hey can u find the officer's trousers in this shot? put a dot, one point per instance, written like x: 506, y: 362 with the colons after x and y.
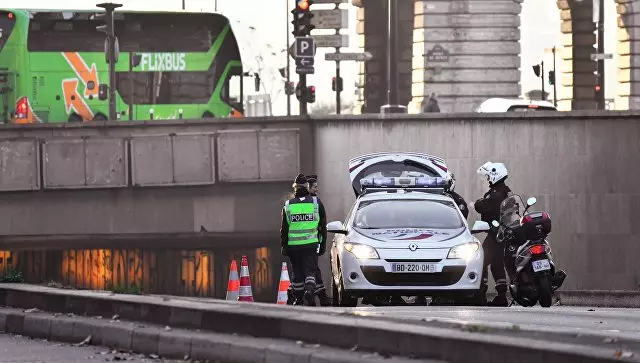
x: 304, y: 263
x: 494, y: 256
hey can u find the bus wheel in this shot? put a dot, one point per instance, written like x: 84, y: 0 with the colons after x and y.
x: 100, y: 117
x: 75, y: 118
x: 207, y: 115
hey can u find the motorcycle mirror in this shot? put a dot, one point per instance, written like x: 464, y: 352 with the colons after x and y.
x: 531, y: 201
x: 495, y: 223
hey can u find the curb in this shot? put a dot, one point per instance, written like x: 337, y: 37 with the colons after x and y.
x: 176, y: 343
x: 599, y: 298
x: 307, y: 324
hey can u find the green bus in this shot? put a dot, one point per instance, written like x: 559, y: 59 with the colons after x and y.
x: 171, y: 65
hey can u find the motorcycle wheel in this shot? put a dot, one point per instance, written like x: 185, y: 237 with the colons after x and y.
x: 545, y: 292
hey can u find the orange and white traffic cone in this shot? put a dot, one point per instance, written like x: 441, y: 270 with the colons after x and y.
x: 284, y: 285
x: 234, y: 283
x: 245, y: 281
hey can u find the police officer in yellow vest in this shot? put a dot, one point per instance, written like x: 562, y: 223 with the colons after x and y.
x: 303, y: 235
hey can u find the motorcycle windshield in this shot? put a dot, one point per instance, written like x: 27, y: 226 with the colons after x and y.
x: 510, y: 213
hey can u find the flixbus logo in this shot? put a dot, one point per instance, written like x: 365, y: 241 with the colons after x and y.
x: 156, y: 62
x: 89, y: 77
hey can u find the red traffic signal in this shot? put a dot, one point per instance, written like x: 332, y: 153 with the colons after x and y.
x: 598, y: 88
x: 303, y: 4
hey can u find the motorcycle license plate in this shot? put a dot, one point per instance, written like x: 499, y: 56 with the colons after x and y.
x: 422, y: 268
x: 541, y: 265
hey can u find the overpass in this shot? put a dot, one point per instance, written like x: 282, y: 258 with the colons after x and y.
x: 164, y: 206
x: 479, y: 45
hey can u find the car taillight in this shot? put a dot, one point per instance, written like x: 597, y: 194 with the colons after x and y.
x: 22, y: 108
x: 537, y: 249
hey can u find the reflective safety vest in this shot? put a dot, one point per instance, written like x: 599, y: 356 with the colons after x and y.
x: 303, y: 218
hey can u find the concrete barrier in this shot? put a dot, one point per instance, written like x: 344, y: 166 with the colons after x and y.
x: 173, y: 343
x: 345, y: 331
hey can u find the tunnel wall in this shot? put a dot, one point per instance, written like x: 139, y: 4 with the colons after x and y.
x: 582, y: 168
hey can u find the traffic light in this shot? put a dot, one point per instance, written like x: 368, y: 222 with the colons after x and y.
x: 536, y: 70
x: 302, y: 18
x: 310, y: 95
x: 336, y: 84
x: 289, y: 88
x: 552, y: 78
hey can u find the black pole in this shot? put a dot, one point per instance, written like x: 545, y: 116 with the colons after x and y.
x: 543, y: 96
x: 600, y: 80
x: 555, y: 78
x: 183, y: 4
x: 338, y: 84
x: 288, y: 59
x: 303, y: 90
x: 392, y: 105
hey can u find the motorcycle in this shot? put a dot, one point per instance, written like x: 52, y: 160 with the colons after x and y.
x: 533, y: 276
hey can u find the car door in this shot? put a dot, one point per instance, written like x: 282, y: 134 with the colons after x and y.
x: 395, y: 164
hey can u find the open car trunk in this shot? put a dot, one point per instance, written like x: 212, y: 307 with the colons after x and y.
x: 395, y: 164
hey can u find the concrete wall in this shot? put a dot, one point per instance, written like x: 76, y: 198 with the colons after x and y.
x: 582, y: 169
x: 172, y: 177
x: 482, y: 40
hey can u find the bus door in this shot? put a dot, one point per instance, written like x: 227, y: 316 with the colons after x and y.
x: 6, y: 94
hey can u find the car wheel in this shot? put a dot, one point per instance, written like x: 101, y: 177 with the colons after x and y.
x: 344, y: 299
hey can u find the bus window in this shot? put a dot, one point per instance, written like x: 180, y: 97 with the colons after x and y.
x: 7, y: 22
x: 51, y: 32
x: 166, y: 88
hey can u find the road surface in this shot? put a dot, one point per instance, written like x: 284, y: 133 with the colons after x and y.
x: 17, y: 349
x: 606, y: 322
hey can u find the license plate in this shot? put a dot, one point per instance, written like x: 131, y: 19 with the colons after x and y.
x: 423, y: 268
x: 541, y: 265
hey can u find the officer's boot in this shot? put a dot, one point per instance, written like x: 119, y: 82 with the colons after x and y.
x: 291, y: 297
x: 309, y: 297
x: 324, y: 298
x: 501, y: 299
x: 299, y: 298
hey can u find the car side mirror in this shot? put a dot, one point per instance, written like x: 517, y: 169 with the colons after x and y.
x: 103, y: 92
x: 336, y: 227
x: 495, y: 223
x: 531, y: 201
x: 479, y: 227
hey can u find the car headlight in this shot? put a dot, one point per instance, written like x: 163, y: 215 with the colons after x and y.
x: 465, y: 251
x: 362, y: 252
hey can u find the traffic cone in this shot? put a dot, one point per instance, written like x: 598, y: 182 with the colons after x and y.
x: 234, y: 283
x: 245, y: 281
x: 284, y: 285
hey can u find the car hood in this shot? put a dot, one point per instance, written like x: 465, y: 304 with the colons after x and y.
x: 418, y: 235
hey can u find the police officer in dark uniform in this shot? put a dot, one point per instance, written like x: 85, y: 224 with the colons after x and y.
x: 303, y: 233
x: 321, y: 290
x: 460, y: 202
x: 489, y: 208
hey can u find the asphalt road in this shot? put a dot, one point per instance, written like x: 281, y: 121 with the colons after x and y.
x: 605, y: 322
x: 17, y: 349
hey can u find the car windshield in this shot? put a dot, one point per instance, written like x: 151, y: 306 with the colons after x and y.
x: 384, y: 214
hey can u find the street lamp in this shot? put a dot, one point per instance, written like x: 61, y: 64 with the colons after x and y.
x: 598, y: 18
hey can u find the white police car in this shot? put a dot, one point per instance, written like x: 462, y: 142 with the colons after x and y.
x: 403, y: 235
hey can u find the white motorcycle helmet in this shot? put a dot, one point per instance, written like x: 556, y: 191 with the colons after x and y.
x: 493, y: 171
